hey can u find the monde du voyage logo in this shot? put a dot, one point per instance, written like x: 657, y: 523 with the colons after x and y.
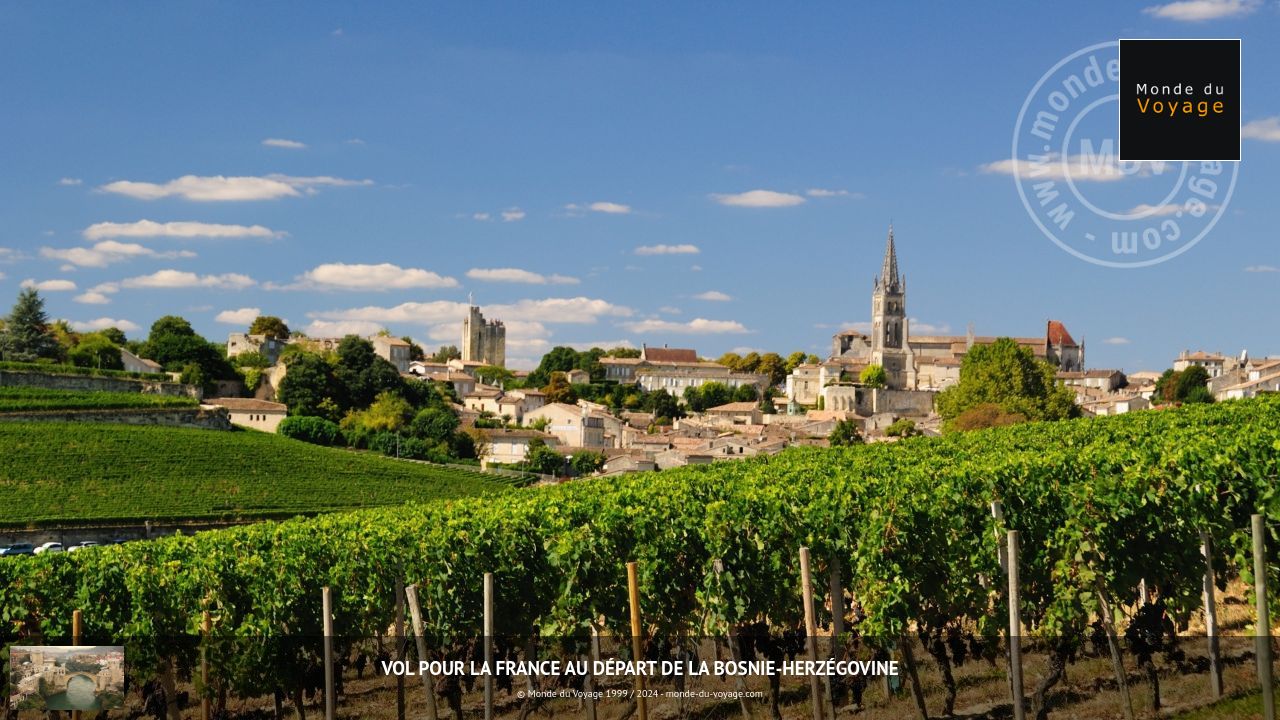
x: 1143, y: 182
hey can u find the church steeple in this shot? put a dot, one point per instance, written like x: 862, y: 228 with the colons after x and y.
x: 889, y: 278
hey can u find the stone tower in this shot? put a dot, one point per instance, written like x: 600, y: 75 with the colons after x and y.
x: 889, y: 347
x: 483, y: 340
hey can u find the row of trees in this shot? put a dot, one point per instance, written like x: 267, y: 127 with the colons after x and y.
x: 770, y: 363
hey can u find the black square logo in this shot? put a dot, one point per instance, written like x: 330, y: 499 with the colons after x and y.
x: 1179, y: 100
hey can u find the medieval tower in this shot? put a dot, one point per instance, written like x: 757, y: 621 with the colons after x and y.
x: 889, y: 348
x: 483, y: 340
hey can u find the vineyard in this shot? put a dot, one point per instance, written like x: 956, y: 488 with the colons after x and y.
x: 67, y: 474
x: 76, y: 370
x: 26, y: 399
x: 1102, y: 506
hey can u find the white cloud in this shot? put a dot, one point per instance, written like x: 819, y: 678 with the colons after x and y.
x: 825, y: 193
x: 92, y: 297
x: 667, y: 250
x: 758, y: 199
x: 49, y: 285
x: 107, y: 252
x: 512, y: 214
x: 70, y: 181
x: 602, y: 344
x: 575, y: 310
x: 915, y: 326
x: 2, y: 276
x: 9, y: 255
x: 384, y: 276
x: 481, y: 216
x: 283, y: 143
x: 697, y: 326
x: 516, y: 275
x: 611, y: 208
x: 243, y: 316
x: 1116, y: 341
x: 1197, y: 10
x: 180, y: 279
x: 1080, y: 168
x: 341, y: 328
x: 713, y: 296
x: 103, y: 323
x: 354, y: 141
x: 668, y: 309
x: 1267, y: 129
x: 1262, y: 269
x: 150, y: 228
x: 219, y: 188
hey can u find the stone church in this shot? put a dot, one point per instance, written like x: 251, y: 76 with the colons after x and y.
x: 913, y: 362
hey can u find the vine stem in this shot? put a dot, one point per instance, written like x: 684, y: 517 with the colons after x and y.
x: 1114, y: 644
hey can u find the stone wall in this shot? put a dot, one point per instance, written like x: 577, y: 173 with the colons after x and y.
x: 105, y: 532
x: 902, y: 402
x: 204, y: 417
x: 89, y: 383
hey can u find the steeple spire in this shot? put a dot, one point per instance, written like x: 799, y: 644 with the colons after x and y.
x: 889, y: 278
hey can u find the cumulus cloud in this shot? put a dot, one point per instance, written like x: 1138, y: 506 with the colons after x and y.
x: 49, y: 285
x: 1116, y: 341
x: 1103, y: 167
x: 1198, y: 10
x: 9, y: 255
x: 516, y: 275
x: 243, y: 316
x: 697, y: 326
x: 105, y: 253
x: 356, y: 276
x: 713, y: 296
x: 575, y: 310
x: 70, y: 181
x: 92, y: 297
x: 610, y: 208
x: 1266, y: 129
x: 1262, y: 269
x: 219, y: 188
x: 341, y: 328
x: 667, y: 250
x: 179, y: 279
x: 758, y: 199
x: 283, y: 143
x: 481, y: 216
x: 150, y: 228
x: 103, y: 323
x: 670, y: 310
x: 602, y: 344
x: 512, y: 214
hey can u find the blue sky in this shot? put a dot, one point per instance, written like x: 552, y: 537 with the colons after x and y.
x: 587, y: 172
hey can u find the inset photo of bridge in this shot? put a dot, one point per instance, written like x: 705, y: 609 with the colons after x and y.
x: 89, y: 678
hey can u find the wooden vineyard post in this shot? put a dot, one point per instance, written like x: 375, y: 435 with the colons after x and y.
x: 1015, y: 627
x: 488, y: 646
x: 400, y: 648
x: 637, y: 641
x: 591, y: 677
x: 909, y: 659
x: 1211, y: 616
x: 428, y: 680
x: 1264, y: 619
x: 836, y: 595
x: 330, y: 700
x: 811, y: 632
x: 1114, y: 644
x: 739, y: 683
x: 206, y: 629
x: 77, y: 636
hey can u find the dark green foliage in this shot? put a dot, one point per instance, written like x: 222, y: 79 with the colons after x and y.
x: 27, y: 336
x: 20, y: 399
x: 1010, y: 377
x: 314, y: 430
x: 845, y: 433
x: 709, y: 395
x: 95, y: 350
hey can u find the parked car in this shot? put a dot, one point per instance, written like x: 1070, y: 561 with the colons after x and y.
x: 82, y: 545
x: 18, y: 549
x: 49, y: 547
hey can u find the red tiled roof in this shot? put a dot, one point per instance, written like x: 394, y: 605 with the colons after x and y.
x: 1058, y: 334
x: 669, y: 354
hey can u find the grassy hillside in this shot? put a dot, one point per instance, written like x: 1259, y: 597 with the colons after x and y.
x: 63, y: 473
x: 23, y: 399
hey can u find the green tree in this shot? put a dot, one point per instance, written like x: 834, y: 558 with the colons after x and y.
x: 434, y: 423
x: 364, y: 374
x: 663, y: 405
x: 542, y: 459
x: 745, y: 393
x: 1192, y: 386
x: 96, y: 351
x: 586, y: 462
x: 311, y: 388
x: 873, y: 376
x: 269, y: 325
x: 27, y: 335
x: 388, y: 413
x: 795, y: 360
x: 558, y: 359
x: 1010, y: 377
x: 558, y: 390
x: 902, y: 427
x: 709, y: 395
x: 416, y: 353
x: 493, y: 375
x: 774, y: 366
x: 115, y: 335
x: 175, y: 345
x: 445, y: 354
x: 845, y: 433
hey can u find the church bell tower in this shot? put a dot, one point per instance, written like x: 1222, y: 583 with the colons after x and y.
x: 889, y: 348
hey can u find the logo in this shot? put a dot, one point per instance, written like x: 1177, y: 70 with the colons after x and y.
x: 1067, y: 168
